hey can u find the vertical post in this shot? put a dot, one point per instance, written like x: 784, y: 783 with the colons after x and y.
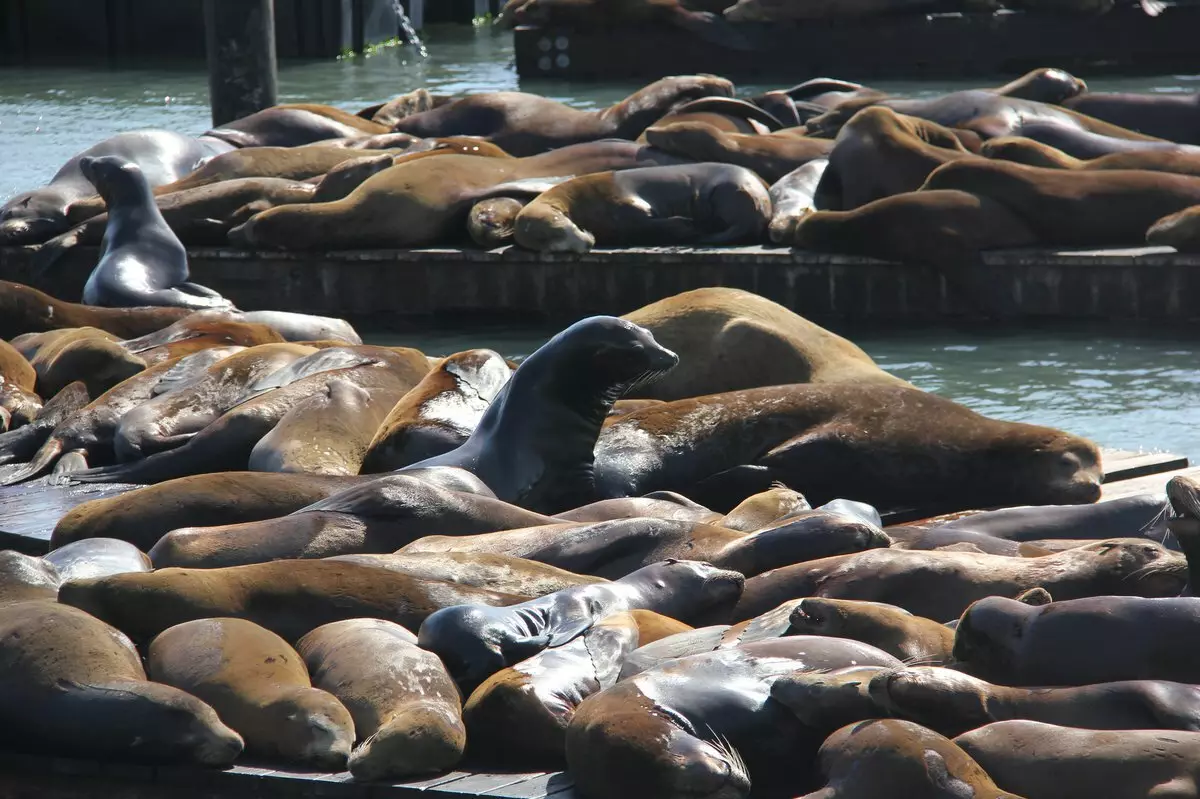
x: 242, y: 75
x: 416, y: 14
x: 482, y: 7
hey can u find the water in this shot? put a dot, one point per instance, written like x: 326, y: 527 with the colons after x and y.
x: 1122, y: 392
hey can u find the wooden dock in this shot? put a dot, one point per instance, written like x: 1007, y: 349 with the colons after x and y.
x: 393, y: 289
x: 914, y: 46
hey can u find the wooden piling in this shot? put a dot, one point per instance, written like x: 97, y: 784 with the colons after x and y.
x: 242, y: 72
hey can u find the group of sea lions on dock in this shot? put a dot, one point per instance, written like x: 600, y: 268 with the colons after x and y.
x: 825, y: 165
x: 653, y: 553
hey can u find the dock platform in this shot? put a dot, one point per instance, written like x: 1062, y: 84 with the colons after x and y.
x: 392, y: 289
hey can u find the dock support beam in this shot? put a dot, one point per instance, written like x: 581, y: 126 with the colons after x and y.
x: 416, y: 13
x: 242, y: 74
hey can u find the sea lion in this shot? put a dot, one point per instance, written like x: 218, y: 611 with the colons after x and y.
x: 527, y: 124
x: 540, y: 694
x: 915, y: 536
x: 887, y: 627
x: 24, y: 309
x: 1126, y: 517
x: 705, y: 725
x: 614, y: 548
x: 890, y: 757
x: 831, y: 439
x: 1174, y: 117
x: 505, y: 574
x: 14, y: 369
x: 1044, y: 85
x: 75, y: 687
x: 655, y: 626
x: 348, y: 176
x: 24, y: 578
x: 657, y: 505
x: 294, y: 124
x: 767, y: 508
x: 1061, y: 643
x: 793, y: 197
x: 96, y: 557
x: 1180, y: 230
x: 490, y: 222
x: 95, y: 361
x: 953, y: 703
x: 770, y: 156
x: 375, y: 516
x: 726, y: 114
x: 142, y: 262
x: 830, y: 700
x: 430, y: 197
x: 1031, y: 757
x: 200, y: 335
x: 475, y: 641
x: 540, y: 456
x: 162, y: 156
x: 729, y: 339
x: 680, y: 204
x: 879, y: 153
x: 325, y: 433
x: 403, y: 105
x: 407, y: 711
x: 290, y: 598
x: 286, y: 326
x: 440, y: 412
x: 259, y: 687
x: 950, y: 581
x: 24, y: 442
x: 1033, y: 153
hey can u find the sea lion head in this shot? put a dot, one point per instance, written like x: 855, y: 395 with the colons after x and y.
x: 1137, y: 567
x: 491, y: 221
x: 474, y: 642
x: 929, y: 694
x: 989, y: 633
x: 827, y: 700
x: 544, y: 227
x: 838, y: 617
x: 311, y: 726
x: 1050, y: 85
x: 696, y: 140
x: 1043, y: 466
x: 116, y: 179
x: 1180, y: 230
x: 688, y: 587
x: 167, y: 724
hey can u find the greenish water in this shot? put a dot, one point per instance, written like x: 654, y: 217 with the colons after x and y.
x: 1122, y: 392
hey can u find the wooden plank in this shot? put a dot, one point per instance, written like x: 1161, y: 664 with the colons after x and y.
x: 536, y: 788
x: 1149, y: 484
x: 487, y: 784
x: 1124, y: 465
x: 432, y: 782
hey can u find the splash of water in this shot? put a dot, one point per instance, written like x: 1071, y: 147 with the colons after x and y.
x: 410, y: 33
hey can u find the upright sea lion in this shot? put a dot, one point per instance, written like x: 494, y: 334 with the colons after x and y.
x: 259, y: 687
x: 952, y: 702
x: 793, y: 197
x: 950, y: 581
x: 1032, y: 757
x: 503, y: 573
x: 680, y: 204
x: 24, y: 309
x: 476, y: 641
x: 705, y: 725
x: 142, y: 262
x: 527, y: 124
x: 291, y: 125
x: 75, y: 687
x: 439, y: 413
x: 890, y: 757
x: 888, y: 445
x: 887, y: 627
x: 729, y: 339
x: 290, y: 598
x: 407, y: 711
x: 1174, y: 117
x: 771, y: 156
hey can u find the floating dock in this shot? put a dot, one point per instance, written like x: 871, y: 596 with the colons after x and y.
x: 1124, y: 41
x: 1151, y: 287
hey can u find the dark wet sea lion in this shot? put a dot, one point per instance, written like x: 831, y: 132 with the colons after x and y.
x: 729, y: 339
x: 475, y: 641
x: 290, y: 598
x: 1175, y: 117
x: 539, y: 695
x: 771, y: 156
x: 503, y: 573
x: 1073, y: 642
x: 23, y: 443
x: 440, y: 412
x: 614, y: 548
x: 142, y: 262
x: 831, y: 439
x: 890, y: 757
x: 432, y: 196
x: 163, y: 156
x: 259, y: 686
x: 705, y: 725
x: 952, y: 702
x: 407, y: 711
x: 681, y: 204
x: 1126, y: 517
x: 375, y: 516
x: 793, y: 197
x: 96, y: 557
x: 291, y: 125
x: 540, y: 456
x: 526, y: 124
x: 950, y: 581
x: 1031, y: 758
x: 75, y: 687
x: 24, y: 310
x: 887, y: 627
x: 879, y: 153
x: 1180, y: 230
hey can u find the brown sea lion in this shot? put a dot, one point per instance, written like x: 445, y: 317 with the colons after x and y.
x: 403, y: 105
x: 17, y: 379
x: 74, y: 687
x: 950, y: 581
x: 767, y: 508
x: 952, y: 702
x: 503, y: 573
x: 290, y: 598
x: 679, y: 204
x: 725, y: 114
x: 490, y: 222
x: 259, y: 687
x: 294, y: 124
x: 14, y: 369
x: 198, y: 335
x: 705, y: 725
x: 431, y: 196
x: 527, y: 124
x: 890, y: 757
x: 771, y: 156
x: 440, y: 412
x: 830, y: 700
x: 879, y: 153
x: 22, y: 443
x: 1044, y: 85
x: 655, y: 626
x: 1033, y: 153
x: 887, y: 627
x: 657, y: 505
x: 729, y: 339
x: 1032, y: 758
x: 98, y: 363
x: 1174, y: 117
x: 407, y: 711
x: 1180, y: 230
x: 24, y: 309
x: 841, y: 438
